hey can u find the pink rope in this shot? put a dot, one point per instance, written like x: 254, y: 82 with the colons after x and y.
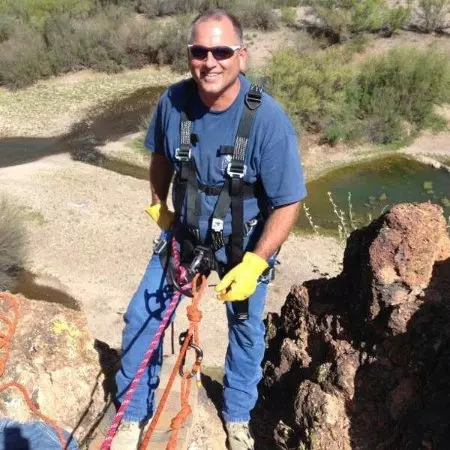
x: 181, y: 274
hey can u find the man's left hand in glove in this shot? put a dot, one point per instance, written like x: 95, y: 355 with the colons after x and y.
x: 240, y: 282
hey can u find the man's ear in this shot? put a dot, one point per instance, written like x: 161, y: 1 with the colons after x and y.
x: 243, y: 59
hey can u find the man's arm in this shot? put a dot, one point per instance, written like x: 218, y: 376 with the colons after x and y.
x: 161, y: 171
x: 240, y: 282
x: 276, y: 230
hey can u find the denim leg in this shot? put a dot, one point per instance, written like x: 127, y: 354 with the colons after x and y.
x: 143, y: 316
x: 243, y: 359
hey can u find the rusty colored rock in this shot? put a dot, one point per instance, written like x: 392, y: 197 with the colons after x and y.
x: 363, y: 360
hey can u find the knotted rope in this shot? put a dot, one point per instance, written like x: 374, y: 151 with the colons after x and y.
x: 194, y: 316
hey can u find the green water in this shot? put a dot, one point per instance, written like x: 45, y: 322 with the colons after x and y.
x: 374, y: 186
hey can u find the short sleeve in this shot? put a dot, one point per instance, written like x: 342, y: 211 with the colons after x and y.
x: 281, y: 171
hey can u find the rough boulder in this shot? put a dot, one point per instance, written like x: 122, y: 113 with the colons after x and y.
x: 363, y: 360
x: 53, y: 357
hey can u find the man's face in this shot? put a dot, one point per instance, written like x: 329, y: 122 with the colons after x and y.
x: 215, y: 76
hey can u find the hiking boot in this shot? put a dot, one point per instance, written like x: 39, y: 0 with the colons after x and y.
x: 127, y: 436
x: 239, y: 436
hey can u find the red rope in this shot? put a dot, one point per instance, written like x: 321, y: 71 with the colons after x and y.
x: 181, y: 274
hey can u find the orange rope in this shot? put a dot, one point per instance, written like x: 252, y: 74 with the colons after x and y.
x: 194, y: 316
x: 5, y: 343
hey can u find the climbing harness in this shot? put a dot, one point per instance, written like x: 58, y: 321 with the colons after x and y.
x: 185, y: 286
x: 231, y: 194
x: 5, y: 342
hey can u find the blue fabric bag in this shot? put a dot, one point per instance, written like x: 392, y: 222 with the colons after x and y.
x: 31, y: 436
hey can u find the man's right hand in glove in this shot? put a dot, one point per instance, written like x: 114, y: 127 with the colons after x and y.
x: 161, y: 215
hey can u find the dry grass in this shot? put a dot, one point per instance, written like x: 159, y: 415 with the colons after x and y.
x: 51, y: 107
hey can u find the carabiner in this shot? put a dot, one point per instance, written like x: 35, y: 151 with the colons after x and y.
x: 198, y: 357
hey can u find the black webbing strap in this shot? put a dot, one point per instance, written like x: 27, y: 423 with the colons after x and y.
x: 237, y: 169
x: 187, y: 183
x: 233, y: 194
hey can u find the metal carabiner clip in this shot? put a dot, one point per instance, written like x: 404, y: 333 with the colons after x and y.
x: 198, y: 357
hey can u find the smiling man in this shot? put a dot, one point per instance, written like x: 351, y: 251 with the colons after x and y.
x: 237, y: 187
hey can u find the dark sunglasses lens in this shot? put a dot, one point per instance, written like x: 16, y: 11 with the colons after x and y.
x: 198, y: 52
x: 219, y: 53
x: 222, y: 52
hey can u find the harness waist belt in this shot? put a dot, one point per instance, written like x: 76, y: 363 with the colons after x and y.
x: 249, y: 190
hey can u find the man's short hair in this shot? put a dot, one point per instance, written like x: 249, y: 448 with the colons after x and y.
x: 217, y: 14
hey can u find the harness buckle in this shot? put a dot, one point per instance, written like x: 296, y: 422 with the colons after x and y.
x: 253, y: 98
x: 217, y: 225
x: 159, y: 244
x: 197, y: 261
x: 248, y: 226
x: 268, y: 275
x: 236, y: 169
x: 183, y: 153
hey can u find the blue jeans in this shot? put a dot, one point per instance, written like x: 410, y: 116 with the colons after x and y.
x: 243, y: 359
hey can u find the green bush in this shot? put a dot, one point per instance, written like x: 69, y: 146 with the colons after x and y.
x: 383, y: 100
x: 172, y: 45
x: 154, y: 8
x: 341, y: 19
x: 432, y: 15
x: 23, y: 58
x: 310, y: 86
x: 401, y: 87
x: 288, y: 15
x: 7, y: 25
x: 255, y: 14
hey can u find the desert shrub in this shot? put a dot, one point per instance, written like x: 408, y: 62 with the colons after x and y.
x: 172, y: 45
x: 12, y: 243
x: 96, y: 46
x: 341, y: 19
x: 36, y: 12
x: 288, y: 16
x: 432, y: 15
x: 285, y: 3
x: 402, y: 86
x: 154, y: 8
x: 310, y: 86
x: 255, y: 14
x: 7, y: 25
x: 23, y: 58
x: 383, y: 100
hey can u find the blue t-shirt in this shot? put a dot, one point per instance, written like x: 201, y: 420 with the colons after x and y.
x: 271, y: 157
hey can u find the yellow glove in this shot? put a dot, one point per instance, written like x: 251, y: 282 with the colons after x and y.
x: 161, y: 215
x: 240, y: 282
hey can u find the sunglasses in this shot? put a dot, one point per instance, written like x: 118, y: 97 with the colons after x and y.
x: 219, y: 52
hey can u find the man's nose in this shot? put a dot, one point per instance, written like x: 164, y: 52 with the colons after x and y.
x: 210, y: 60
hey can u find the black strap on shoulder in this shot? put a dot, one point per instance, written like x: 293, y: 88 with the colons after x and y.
x: 186, y: 183
x: 232, y: 193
